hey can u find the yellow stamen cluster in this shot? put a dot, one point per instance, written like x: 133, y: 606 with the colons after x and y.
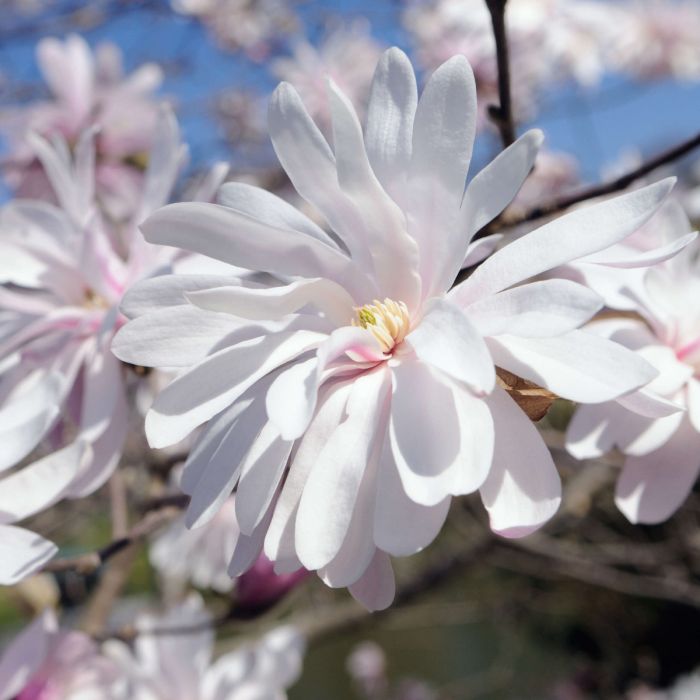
x: 388, y: 321
x: 92, y: 300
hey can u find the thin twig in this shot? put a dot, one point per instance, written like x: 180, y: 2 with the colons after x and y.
x: 502, y: 114
x: 506, y: 220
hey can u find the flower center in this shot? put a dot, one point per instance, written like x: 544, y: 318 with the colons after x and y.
x: 388, y: 321
x: 92, y: 300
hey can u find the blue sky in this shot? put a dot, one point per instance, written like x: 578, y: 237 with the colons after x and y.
x: 597, y: 127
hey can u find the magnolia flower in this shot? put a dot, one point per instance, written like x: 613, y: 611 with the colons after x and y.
x: 64, y: 270
x: 88, y: 90
x: 180, y: 666
x: 350, y: 401
x: 43, y: 663
x: 347, y: 55
x: 662, y: 445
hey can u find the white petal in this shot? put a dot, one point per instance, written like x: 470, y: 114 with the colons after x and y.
x: 279, y: 542
x: 574, y: 235
x: 239, y: 239
x: 216, y: 382
x: 261, y: 472
x: 645, y: 258
x: 377, y: 587
x: 40, y: 484
x: 481, y: 249
x: 652, y: 487
x: 390, y: 112
x: 447, y: 340
x: 21, y: 553
x: 249, y: 547
x: 693, y: 401
x: 327, y: 503
x: 270, y: 209
x: 276, y: 302
x: 441, y: 436
x: 523, y: 489
x: 535, y: 310
x: 647, y: 403
x: 577, y: 365
x: 402, y: 526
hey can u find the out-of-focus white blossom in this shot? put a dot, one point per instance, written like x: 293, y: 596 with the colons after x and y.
x: 348, y: 56
x: 88, y: 90
x: 181, y: 666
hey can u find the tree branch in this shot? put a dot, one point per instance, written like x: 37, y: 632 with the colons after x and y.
x: 506, y: 220
x: 502, y: 115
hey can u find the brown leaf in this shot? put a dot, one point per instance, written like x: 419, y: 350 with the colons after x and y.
x: 534, y: 400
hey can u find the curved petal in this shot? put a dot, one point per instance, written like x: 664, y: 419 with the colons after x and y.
x: 446, y: 339
x: 199, y: 394
x: 535, y: 310
x: 376, y: 588
x: 390, y: 112
x: 571, y: 236
x: 523, y: 489
x: 577, y: 365
x: 652, y: 487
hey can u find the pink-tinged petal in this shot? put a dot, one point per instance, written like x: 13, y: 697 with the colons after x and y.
x: 577, y: 365
x: 536, y: 310
x: 27, y: 417
x: 261, y: 472
x: 402, y: 526
x: 21, y: 553
x: 393, y: 251
x: 446, y: 339
x: 200, y: 393
x: 239, y: 239
x: 646, y: 258
x: 377, y: 587
x: 40, y: 484
x: 157, y: 339
x: 693, y: 402
x: 103, y: 378
x: 523, y: 489
x: 270, y: 209
x: 572, y: 236
x: 291, y: 400
x: 274, y: 303
x: 672, y: 373
x: 25, y: 654
x: 480, y: 249
x: 652, y: 487
x: 309, y: 162
x: 157, y: 293
x: 279, y: 542
x: 440, y: 435
x: 331, y: 490
x: 390, y: 112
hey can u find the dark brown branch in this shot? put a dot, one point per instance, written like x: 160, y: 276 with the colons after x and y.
x: 506, y: 221
x: 502, y: 114
x: 90, y: 562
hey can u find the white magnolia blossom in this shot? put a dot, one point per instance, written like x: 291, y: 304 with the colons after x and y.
x: 63, y: 271
x: 347, y: 55
x: 181, y: 666
x: 661, y: 444
x: 350, y: 401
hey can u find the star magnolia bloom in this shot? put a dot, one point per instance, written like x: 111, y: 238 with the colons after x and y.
x: 662, y: 445
x: 43, y: 663
x: 180, y: 666
x: 350, y: 402
x: 63, y: 272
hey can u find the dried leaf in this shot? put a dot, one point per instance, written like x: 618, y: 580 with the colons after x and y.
x: 532, y: 399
